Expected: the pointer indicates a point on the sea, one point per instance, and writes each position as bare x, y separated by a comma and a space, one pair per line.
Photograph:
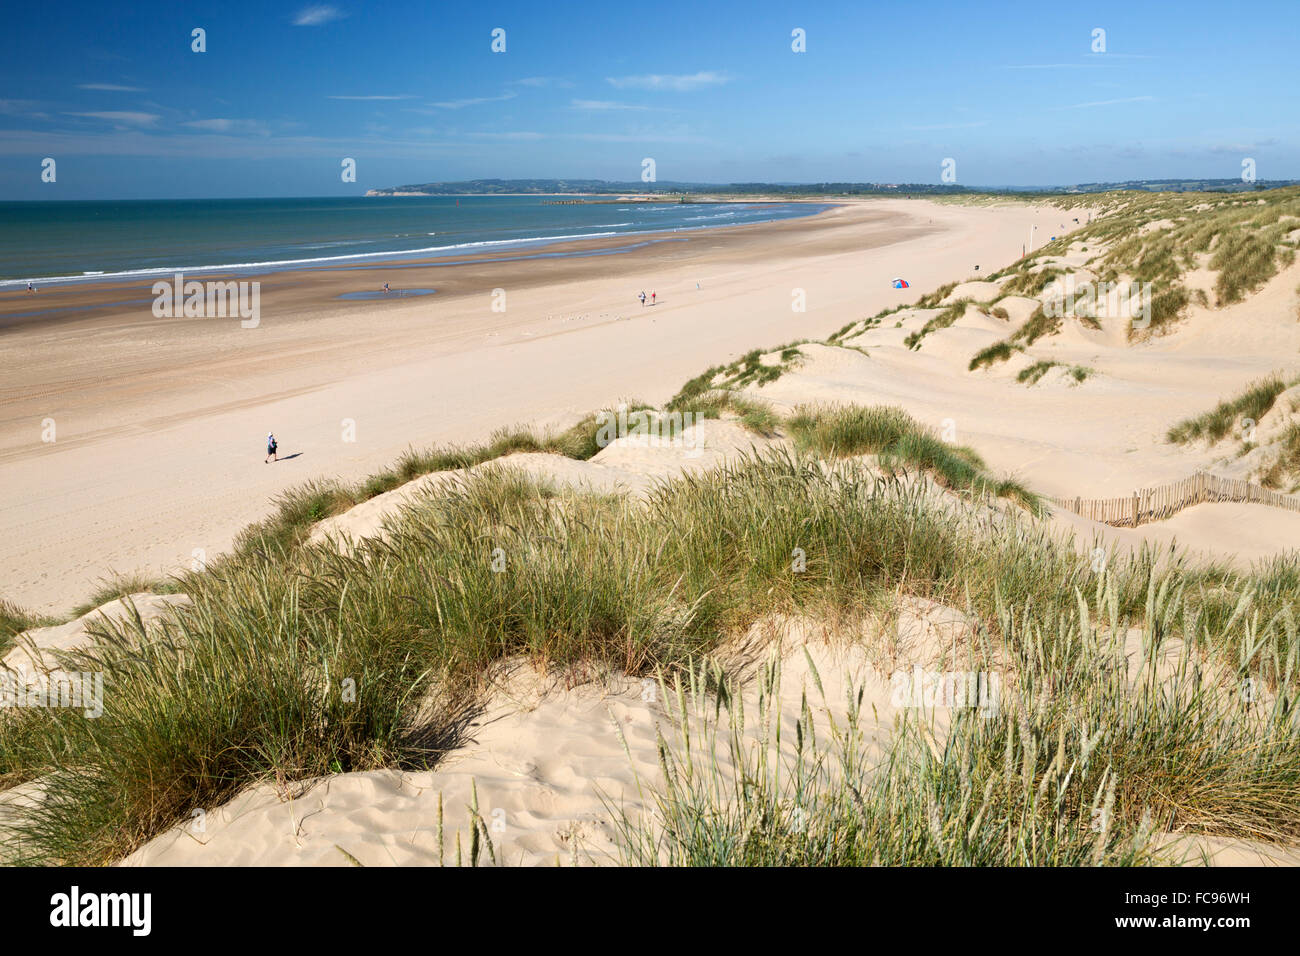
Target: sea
77, 241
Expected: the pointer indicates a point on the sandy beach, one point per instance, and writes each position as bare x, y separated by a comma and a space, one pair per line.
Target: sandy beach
161, 422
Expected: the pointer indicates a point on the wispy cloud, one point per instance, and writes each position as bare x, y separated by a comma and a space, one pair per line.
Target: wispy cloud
110, 87
1087, 62
655, 135
541, 81
15, 107
600, 105
512, 135
227, 125
400, 96
1050, 66
473, 101
939, 126
1092, 103
315, 16
122, 117
1239, 148
676, 83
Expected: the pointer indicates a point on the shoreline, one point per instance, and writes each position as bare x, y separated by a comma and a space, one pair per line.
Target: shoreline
86, 294
159, 420
375, 259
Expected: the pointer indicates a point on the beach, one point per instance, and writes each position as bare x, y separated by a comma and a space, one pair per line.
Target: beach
160, 423
639, 546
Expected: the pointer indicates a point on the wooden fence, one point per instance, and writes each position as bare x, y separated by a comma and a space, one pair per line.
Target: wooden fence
1155, 504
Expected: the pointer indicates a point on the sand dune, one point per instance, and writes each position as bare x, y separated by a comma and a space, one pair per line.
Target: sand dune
628, 465
552, 766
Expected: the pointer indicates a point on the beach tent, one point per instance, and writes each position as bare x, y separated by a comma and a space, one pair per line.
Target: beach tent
900, 284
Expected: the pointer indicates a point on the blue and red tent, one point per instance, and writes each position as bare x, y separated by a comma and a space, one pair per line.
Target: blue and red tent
901, 284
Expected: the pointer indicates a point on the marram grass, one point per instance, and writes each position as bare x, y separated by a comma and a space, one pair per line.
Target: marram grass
249, 682
1093, 759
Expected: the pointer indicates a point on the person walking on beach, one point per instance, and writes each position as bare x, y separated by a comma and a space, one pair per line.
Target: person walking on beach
270, 448
30, 288
642, 298
652, 297
386, 289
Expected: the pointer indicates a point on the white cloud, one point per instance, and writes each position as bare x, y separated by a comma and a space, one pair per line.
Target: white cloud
940, 126
122, 117
1238, 148
676, 83
515, 135
539, 81
315, 16
1126, 99
1050, 66
644, 136
110, 87
17, 106
473, 101
607, 105
227, 125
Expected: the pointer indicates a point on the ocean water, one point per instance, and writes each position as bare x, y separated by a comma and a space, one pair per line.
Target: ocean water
97, 240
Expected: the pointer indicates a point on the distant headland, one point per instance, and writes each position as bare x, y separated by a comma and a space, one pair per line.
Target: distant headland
667, 191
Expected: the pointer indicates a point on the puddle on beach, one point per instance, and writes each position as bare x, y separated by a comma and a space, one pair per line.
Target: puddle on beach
381, 294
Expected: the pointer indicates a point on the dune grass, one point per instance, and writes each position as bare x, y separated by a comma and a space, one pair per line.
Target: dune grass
1247, 258
1028, 283
931, 300
1032, 374
290, 665
1038, 325
941, 321
899, 441
858, 326
1242, 234
1081, 765
1168, 303
14, 620
298, 509
997, 352
119, 586
1283, 472
1214, 425
748, 370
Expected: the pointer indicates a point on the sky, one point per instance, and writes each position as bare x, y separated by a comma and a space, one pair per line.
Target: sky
1011, 93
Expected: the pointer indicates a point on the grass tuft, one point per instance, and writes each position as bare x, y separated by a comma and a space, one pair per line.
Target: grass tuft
1215, 424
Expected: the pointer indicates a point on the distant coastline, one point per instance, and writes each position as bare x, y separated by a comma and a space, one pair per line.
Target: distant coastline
200, 236
667, 191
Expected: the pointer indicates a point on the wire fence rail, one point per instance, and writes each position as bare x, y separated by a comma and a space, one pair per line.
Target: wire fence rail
1162, 501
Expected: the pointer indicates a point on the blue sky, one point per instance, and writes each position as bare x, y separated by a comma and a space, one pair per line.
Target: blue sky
1013, 92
